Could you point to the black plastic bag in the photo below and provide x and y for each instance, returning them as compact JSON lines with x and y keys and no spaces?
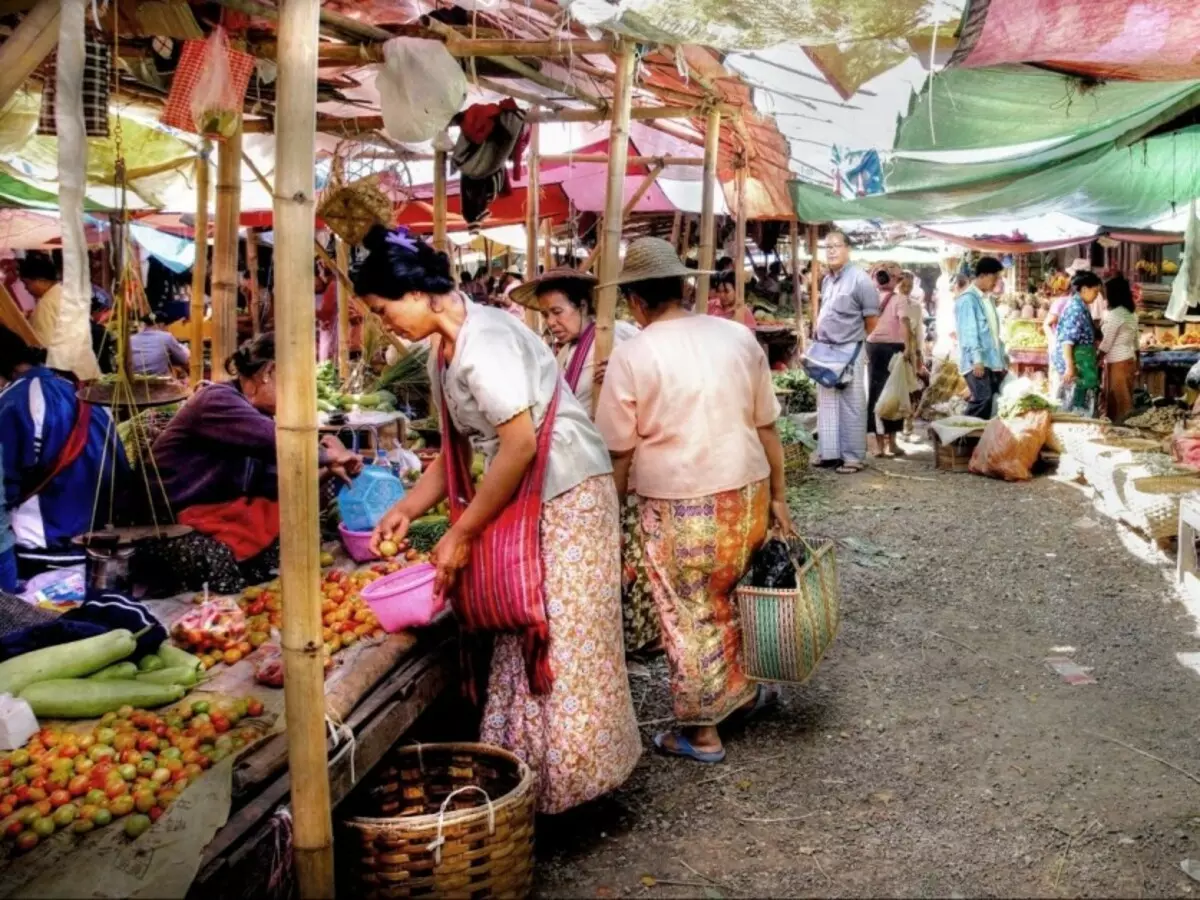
{"x":772,"y":566}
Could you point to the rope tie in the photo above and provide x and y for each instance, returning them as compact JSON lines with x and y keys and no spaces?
{"x":439,"y":841}
{"x":340,"y":732}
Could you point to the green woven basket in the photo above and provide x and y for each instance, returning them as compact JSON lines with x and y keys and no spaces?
{"x":786,"y":632}
{"x":795,"y":461}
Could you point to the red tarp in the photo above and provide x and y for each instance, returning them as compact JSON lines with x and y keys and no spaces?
{"x":1136,"y":40}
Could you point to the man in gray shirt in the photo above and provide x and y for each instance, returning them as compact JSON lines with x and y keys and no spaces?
{"x":154,"y":349}
{"x":849,"y":307}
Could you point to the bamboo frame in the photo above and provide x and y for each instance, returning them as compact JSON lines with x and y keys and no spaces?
{"x":547,"y":245}
{"x":533,"y":218}
{"x":610,"y":246}
{"x":199,"y":272}
{"x":626,"y":212}
{"x":252,"y":269}
{"x":676,"y":223}
{"x":712,"y":146}
{"x":637,"y":113}
{"x":225,"y":250}
{"x":814,"y":276}
{"x":34,"y":38}
{"x":439,"y":202}
{"x":739,"y":251}
{"x":330,"y":55}
{"x":296,"y":437}
{"x":797,"y":278}
{"x":344,"y":293}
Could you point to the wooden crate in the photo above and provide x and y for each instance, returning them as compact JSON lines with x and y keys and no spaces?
{"x":955,"y":456}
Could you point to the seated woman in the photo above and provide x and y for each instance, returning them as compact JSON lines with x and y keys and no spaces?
{"x":216,"y":461}
{"x":557,"y":693}
{"x":565,"y":298}
{"x":724,"y":302}
{"x":709,"y":478}
{"x":155,"y":350}
{"x":59,"y":455}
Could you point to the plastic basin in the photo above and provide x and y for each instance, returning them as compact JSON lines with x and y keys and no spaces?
{"x":357,"y":543}
{"x":404,"y":599}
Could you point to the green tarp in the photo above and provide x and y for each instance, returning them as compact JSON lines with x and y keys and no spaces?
{"x":1121,"y":186}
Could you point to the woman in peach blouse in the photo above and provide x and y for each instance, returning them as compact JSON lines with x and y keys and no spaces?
{"x":690,"y":399}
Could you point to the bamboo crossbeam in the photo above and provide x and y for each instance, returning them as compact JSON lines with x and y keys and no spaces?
{"x":199,"y":272}
{"x":570,"y":158}
{"x":296,"y":438}
{"x":610,"y":241}
{"x":330,"y":55}
{"x":225,"y":251}
{"x":637,"y":113}
{"x":712,"y":145}
{"x":28,"y":46}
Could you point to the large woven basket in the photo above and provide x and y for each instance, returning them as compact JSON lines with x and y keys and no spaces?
{"x":786,"y":632}
{"x":1154,"y":513}
{"x":795,"y":461}
{"x":442,"y":820}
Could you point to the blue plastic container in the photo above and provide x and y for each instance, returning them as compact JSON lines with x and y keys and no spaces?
{"x":374,"y":491}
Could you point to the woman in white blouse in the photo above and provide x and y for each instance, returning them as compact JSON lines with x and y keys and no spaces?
{"x":574,"y":725}
{"x":1120,"y":347}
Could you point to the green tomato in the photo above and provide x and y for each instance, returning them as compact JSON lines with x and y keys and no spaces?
{"x":43,"y":826}
{"x":65,"y":815}
{"x":136,"y":825}
{"x":102,"y":817}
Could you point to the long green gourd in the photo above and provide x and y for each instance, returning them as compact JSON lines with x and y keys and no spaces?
{"x":83,"y":698}
{"x":72,"y":660}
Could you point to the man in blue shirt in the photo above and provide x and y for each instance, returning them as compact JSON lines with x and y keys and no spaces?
{"x":981,"y":358}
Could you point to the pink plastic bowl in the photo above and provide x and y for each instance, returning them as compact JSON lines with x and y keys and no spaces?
{"x":403,"y":599}
{"x":357,"y":544}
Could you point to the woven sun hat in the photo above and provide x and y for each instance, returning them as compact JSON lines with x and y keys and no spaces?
{"x":649,"y":258}
{"x":526,"y":294}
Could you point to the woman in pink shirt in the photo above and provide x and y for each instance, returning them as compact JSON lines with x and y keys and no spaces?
{"x":725,"y":304}
{"x":689,"y":400}
{"x":890,"y":338}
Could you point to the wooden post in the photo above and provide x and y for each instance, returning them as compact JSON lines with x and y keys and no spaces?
{"x":676,"y":222}
{"x":439,"y":201}
{"x":814,"y":276}
{"x":35,"y":36}
{"x":199,"y":271}
{"x":548,"y":244}
{"x":712,"y":143}
{"x":296,"y":440}
{"x":225,"y":252}
{"x":252,"y":268}
{"x":794,"y":241}
{"x":533,"y":221}
{"x":343,"y":300}
{"x":610,"y":247}
{"x":739,"y":253}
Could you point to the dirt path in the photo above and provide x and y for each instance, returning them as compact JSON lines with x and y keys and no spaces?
{"x":934,"y":754}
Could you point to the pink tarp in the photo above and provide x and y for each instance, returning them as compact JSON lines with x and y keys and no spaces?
{"x":1137,"y":40}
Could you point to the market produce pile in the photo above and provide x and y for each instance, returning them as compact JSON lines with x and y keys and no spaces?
{"x":1160,"y":419}
{"x":798,"y":392}
{"x":1024,"y":334}
{"x":330,"y":397}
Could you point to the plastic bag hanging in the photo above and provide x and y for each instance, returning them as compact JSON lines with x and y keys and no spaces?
{"x":1185,"y":291}
{"x":211,"y":112}
{"x":421,"y":87}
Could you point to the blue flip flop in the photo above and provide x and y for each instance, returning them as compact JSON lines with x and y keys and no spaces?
{"x":766,"y":699}
{"x":683,"y":747}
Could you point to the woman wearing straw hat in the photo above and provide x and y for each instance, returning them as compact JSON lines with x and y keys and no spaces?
{"x":690,"y":402}
{"x":537,"y":544}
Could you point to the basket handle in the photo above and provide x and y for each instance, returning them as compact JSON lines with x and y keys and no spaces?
{"x":439,"y":841}
{"x":791,"y":543}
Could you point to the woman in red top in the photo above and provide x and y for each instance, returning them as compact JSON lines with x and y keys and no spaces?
{"x":725,"y":304}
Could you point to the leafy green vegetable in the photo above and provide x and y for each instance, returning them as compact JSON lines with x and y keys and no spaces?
{"x":798,"y":390}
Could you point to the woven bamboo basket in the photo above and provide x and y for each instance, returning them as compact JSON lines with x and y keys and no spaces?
{"x":442,"y":820}
{"x":1156,"y":514}
{"x":786,"y":632}
{"x":795,"y":461}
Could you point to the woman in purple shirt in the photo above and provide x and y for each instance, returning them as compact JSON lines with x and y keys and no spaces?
{"x":217,"y":457}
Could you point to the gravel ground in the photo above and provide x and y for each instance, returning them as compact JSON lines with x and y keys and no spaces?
{"x":934,"y":754}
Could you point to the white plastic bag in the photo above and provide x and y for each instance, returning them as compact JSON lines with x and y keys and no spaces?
{"x":1185,"y":291}
{"x":895,"y":403}
{"x":214,"y":111}
{"x":421,"y":87}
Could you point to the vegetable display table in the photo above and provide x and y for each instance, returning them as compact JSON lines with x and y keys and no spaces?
{"x":1025,"y":361}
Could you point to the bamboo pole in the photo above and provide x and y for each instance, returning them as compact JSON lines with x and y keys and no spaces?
{"x":25,"y":49}
{"x":199,"y":272}
{"x":626,"y":212}
{"x":676,"y":223}
{"x":614,"y":217}
{"x":225,"y":250}
{"x":252,"y":268}
{"x":571,"y":158}
{"x":296,"y":438}
{"x":330,"y":54}
{"x":794,"y":240}
{"x":439,"y":201}
{"x":712,"y":144}
{"x":739,"y":269}
{"x":638,"y":113}
{"x":344,"y":294}
{"x":547,"y":245}
{"x":814,"y":276}
{"x":533,"y":220}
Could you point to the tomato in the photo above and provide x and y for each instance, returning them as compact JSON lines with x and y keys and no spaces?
{"x":116,"y":789}
{"x":12,"y":829}
{"x":69,"y":751}
{"x":43,"y":826}
{"x":101,"y":751}
{"x":36,"y":793}
{"x":95,"y":797}
{"x":137,"y":825}
{"x":82,"y":826}
{"x":105,"y":735}
{"x":6,"y":810}
{"x":125,"y":741}
{"x":147,"y":742}
{"x":19,"y":758}
{"x":78,"y":785}
{"x":65,"y":815}
{"x":102,"y":817}
{"x":60,"y":798}
{"x":26,"y":841}
{"x":144,"y":801}
{"x":146,"y":767}
{"x":121,"y":806}
{"x":43,"y":807}
{"x":254,"y":707}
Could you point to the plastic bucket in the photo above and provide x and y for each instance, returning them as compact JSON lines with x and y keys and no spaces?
{"x":404,"y":599}
{"x":357,"y":543}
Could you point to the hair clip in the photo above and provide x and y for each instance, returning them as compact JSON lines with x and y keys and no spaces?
{"x":400,"y":238}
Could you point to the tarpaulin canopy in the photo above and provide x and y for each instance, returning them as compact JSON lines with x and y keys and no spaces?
{"x":1130,"y":186}
{"x":1149,"y":41}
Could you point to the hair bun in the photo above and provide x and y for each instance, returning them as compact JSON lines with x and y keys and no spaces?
{"x":376,"y":239}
